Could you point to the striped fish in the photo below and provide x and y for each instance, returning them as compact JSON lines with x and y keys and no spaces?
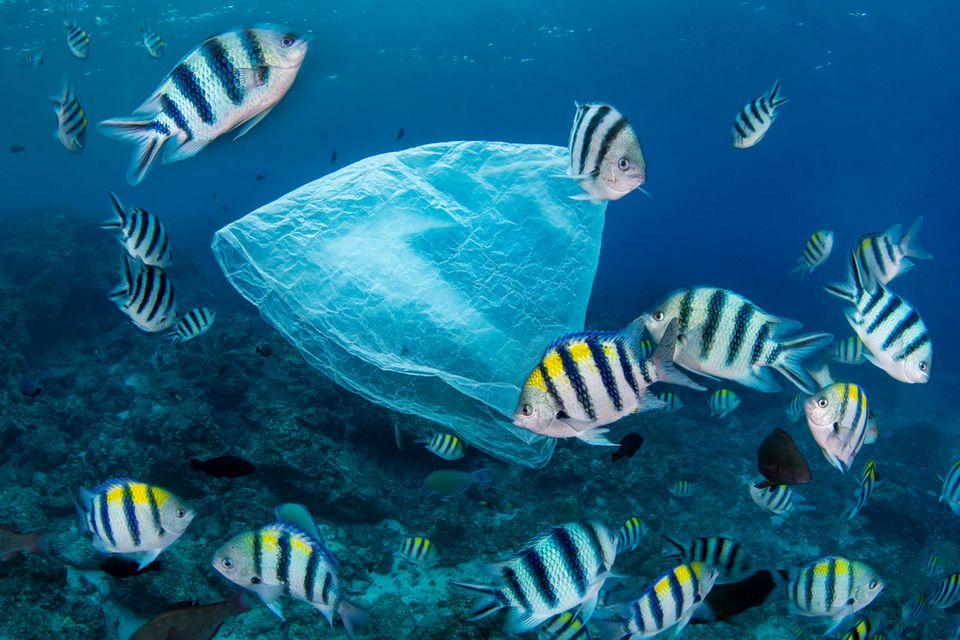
{"x":590,"y":379}
{"x":605,"y":155}
{"x":682,"y":489}
{"x":779,"y":499}
{"x":446,"y":446}
{"x":154,"y":45}
{"x":932,"y":566}
{"x":645,"y":349}
{"x":418,"y":550}
{"x":669,"y":602}
{"x":891,"y":329}
{"x":911,"y":611}
{"x":564,"y":626}
{"x":287,"y":557}
{"x":71,"y":119}
{"x":837,"y":417}
{"x":562,"y":568}
{"x":884,"y":255}
{"x":131,"y":518}
{"x":672,"y":403}
{"x":948,"y":592}
{"x":630,"y":534}
{"x":794,"y":410}
{"x":815,"y":253}
{"x":754,"y":120}
{"x":141,"y":233}
{"x":229,"y":81}
{"x":950,"y":493}
{"x":864,"y":629}
{"x":868,"y":480}
{"x":31,"y":59}
{"x":196,"y":322}
{"x":77,"y":40}
{"x":833,"y":587}
{"x":732,"y":562}
{"x":722,"y":402}
{"x":146,"y":296}
{"x":849,"y":351}
{"x":724,"y":335}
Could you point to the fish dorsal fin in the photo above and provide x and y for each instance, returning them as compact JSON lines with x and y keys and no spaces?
{"x":298,"y":515}
{"x":582,"y":335}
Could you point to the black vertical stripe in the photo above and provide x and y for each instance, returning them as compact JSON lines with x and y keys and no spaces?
{"x":532,"y":562}
{"x":756,"y":112}
{"x":551,"y":388}
{"x":576,"y":381}
{"x":155,"y":511}
{"x":105,"y":517}
{"x":130,"y":513}
{"x":608,"y":139}
{"x":676,"y":592}
{"x":185,"y":80}
{"x":626,"y":366}
{"x":226,"y":74}
{"x":893,"y":303}
{"x":740,"y":326}
{"x":918,"y":342}
{"x":156,"y":233}
{"x":310,"y":578}
{"x":745,"y":119}
{"x":510,"y":578}
{"x":283,"y":560}
{"x":875,"y":299}
{"x":740,"y":131}
{"x":715,"y":308}
{"x":759,"y":343}
{"x":571,"y":559}
{"x":592,"y":126}
{"x":148,"y":296}
{"x":170,"y":108}
{"x":656,"y":608}
{"x":327,"y":587}
{"x":686,"y":307}
{"x":906,"y":323}
{"x":258,"y":553}
{"x":142,"y":223}
{"x":606,"y":373}
{"x":878,"y":256}
{"x":889,"y":247}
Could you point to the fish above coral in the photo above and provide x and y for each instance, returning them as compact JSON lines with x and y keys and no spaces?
{"x":780,"y":461}
{"x":192,"y":621}
{"x":13,"y":543}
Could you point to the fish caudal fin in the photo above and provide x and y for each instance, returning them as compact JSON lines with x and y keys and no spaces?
{"x":38,"y":542}
{"x":142,"y":132}
{"x":775,"y":98}
{"x":120,"y":292}
{"x":482,"y":476}
{"x":486,"y":605}
{"x":792,"y":354}
{"x":351,"y":616}
{"x":663,"y":359}
{"x":116,"y":223}
{"x":908,"y":244}
{"x":853,"y":287}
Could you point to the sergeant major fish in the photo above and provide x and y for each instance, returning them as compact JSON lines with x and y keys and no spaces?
{"x":605,"y":155}
{"x":849,"y":351}
{"x":77,"y":40}
{"x":780,"y":500}
{"x":834,"y":588}
{"x":590,"y":379}
{"x":815,"y":253}
{"x":671,"y":400}
{"x":669,"y":602}
{"x":141,"y":233}
{"x":884,"y":255}
{"x":630,"y":534}
{"x":154,"y":45}
{"x":71,"y":119}
{"x":722,"y":334}
{"x":194,"y":323}
{"x":722,"y":403}
{"x":891,"y":329}
{"x":563,"y":626}
{"x":418,"y":550}
{"x":444,"y":445}
{"x":146,"y":296}
{"x":133,"y":519}
{"x":562,"y":568}
{"x":948,"y":592}
{"x":732,"y":562}
{"x":868,"y":480}
{"x":837,"y":417}
{"x":230,"y":80}
{"x":753,"y":121}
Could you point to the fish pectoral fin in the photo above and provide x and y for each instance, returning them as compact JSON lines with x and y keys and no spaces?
{"x":596,"y":437}
{"x":252,"y":122}
{"x":585,"y":196}
{"x":254,"y":77}
{"x":146,"y":558}
{"x":270,"y":596}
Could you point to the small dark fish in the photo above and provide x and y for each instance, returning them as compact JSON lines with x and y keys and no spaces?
{"x":261,"y":177}
{"x":224,"y":466}
{"x":265,"y":350}
{"x":215,"y":195}
{"x":727,"y":600}
{"x":192,"y":622}
{"x":122,"y":568}
{"x":629,"y":445}
{"x":17,"y":148}
{"x":29,"y":387}
{"x":333,"y":156}
{"x":780,"y":461}
{"x":174,"y":396}
{"x":12,"y":543}
{"x":401,"y":133}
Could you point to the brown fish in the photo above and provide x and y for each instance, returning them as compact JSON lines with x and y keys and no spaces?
{"x":780,"y":462}
{"x":12,"y":543}
{"x":192,"y":622}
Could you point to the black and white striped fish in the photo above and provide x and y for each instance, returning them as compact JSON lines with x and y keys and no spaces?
{"x":132,"y":518}
{"x":779,"y":499}
{"x":564,"y":626}
{"x":196,"y":322}
{"x":141,"y":234}
{"x":722,"y":403}
{"x":948,"y":592}
{"x":754,"y":120}
{"x":630,"y":534}
{"x":31,"y":59}
{"x":417,"y":549}
{"x":146,"y":296}
{"x":669,"y":602}
{"x":837,"y":418}
{"x":884,"y":255}
{"x":562,"y":568}
{"x":445,"y":445}
{"x":229,"y":81}
{"x":77,"y":40}
{"x":590,"y":379}
{"x":732,"y":562}
{"x":849,"y":351}
{"x":794,"y":410}
{"x":671,"y":400}
{"x":683,"y":488}
{"x":724,"y":335}
{"x":895,"y":336}
{"x":71,"y":119}
{"x":288,"y":557}
{"x":153,"y":43}
{"x":834,"y":588}
{"x":605,"y":155}
{"x":868,"y":480}
{"x":815,"y":253}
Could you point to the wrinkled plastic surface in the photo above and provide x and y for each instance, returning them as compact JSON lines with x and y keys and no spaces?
{"x":427,"y":280}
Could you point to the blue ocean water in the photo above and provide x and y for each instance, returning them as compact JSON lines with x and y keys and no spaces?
{"x":867,"y":140}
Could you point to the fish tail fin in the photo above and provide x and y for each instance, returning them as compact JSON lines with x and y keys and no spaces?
{"x":118,"y":222}
{"x":173,"y":337}
{"x":482,"y":476}
{"x":794,"y":352}
{"x":64,"y":93}
{"x":801,"y":268}
{"x":853,"y":287}
{"x":38,"y":542}
{"x":775,"y":98}
{"x":83,"y":501}
{"x":486,"y":605}
{"x":676,"y":552}
{"x":351,"y":616}
{"x":120,"y":291}
{"x":662,"y":355}
{"x":909,"y":242}
{"x":141,"y":132}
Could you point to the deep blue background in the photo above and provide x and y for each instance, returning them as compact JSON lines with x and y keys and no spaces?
{"x":868,"y":138}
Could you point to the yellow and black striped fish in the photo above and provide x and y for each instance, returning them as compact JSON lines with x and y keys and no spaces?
{"x":71,"y":119}
{"x":948,"y":592}
{"x":154,"y":45}
{"x":837,"y":417}
{"x":815,"y":253}
{"x":670,"y":601}
{"x":885,"y":254}
{"x":133,"y":518}
{"x":862,"y":630}
{"x":849,"y":351}
{"x":563,"y":626}
{"x":418,"y":550}
{"x":444,"y":445}
{"x":833,"y":587}
{"x":77,"y":40}
{"x":671,"y":400}
{"x":722,"y":402}
{"x":630,"y":534}
{"x":682,"y":488}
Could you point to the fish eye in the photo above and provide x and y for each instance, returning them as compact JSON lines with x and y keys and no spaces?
{"x":922,"y":366}
{"x":226,"y":563}
{"x":288,"y":40}
{"x":822,"y":402}
{"x":181,"y":513}
{"x":658,"y":316}
{"x":624,"y":164}
{"x":526,"y":410}
{"x":255,"y":580}
{"x":873,"y":584}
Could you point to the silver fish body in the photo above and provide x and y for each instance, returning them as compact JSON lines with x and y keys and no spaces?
{"x":780,"y":499}
{"x":146,"y":296}
{"x":754,"y":120}
{"x":886,"y":255}
{"x":669,"y":602}
{"x":732,"y":562}
{"x":605,"y":155}
{"x":77,"y":40}
{"x":141,"y":233}
{"x":194,"y":323}
{"x":71,"y":119}
{"x":837,"y":417}
{"x":833,"y":587}
{"x":231,"y":80}
{"x":815,"y":253}
{"x":950,"y":493}
{"x":152,"y":42}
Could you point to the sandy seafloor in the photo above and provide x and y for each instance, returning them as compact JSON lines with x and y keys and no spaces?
{"x":109,"y":410}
